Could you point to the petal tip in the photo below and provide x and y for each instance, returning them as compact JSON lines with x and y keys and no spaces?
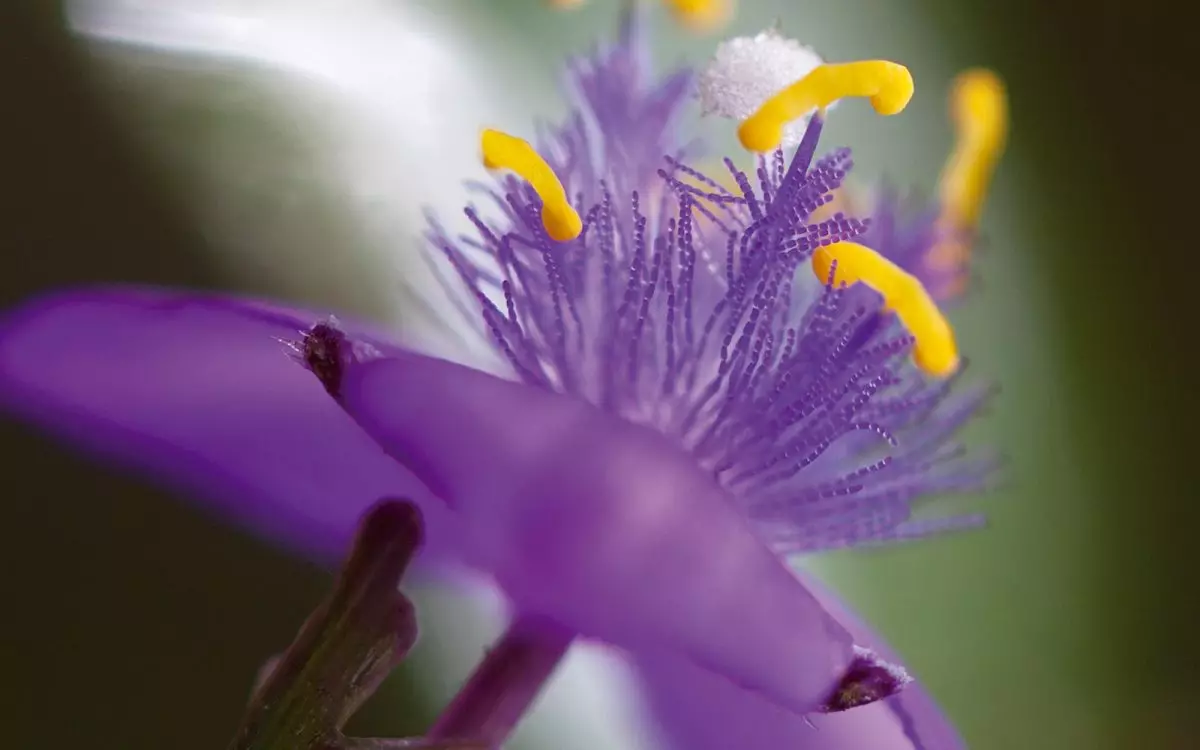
{"x":869,"y":678}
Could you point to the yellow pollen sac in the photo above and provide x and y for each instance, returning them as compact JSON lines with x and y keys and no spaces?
{"x":503,"y":151}
{"x":701,"y":15}
{"x":935,"y":350}
{"x":979,"y":110}
{"x":889,"y":86}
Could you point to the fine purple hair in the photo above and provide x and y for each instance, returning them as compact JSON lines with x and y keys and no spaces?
{"x":686,"y":307}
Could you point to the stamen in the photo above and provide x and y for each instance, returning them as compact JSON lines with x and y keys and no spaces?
{"x":979,"y":110}
{"x":701,"y":15}
{"x":503,"y":151}
{"x":889,"y":86}
{"x":935,"y":350}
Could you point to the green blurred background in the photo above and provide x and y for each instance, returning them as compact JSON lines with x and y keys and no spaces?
{"x":133,"y":621}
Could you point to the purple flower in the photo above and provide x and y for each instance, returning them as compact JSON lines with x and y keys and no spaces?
{"x":688,"y":407}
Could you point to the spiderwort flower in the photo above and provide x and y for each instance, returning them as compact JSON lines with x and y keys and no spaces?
{"x":688,"y":406}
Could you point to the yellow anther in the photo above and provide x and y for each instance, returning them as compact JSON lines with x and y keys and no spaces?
{"x":503,"y":151}
{"x":889,"y":86}
{"x":701,"y":15}
{"x":979,"y":110}
{"x":935,"y":350}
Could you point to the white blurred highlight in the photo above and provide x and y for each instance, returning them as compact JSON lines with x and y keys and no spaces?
{"x":384,"y":57}
{"x":395,"y":101}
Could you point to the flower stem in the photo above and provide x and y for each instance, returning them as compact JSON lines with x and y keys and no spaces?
{"x":505,"y":684}
{"x":346,"y":647}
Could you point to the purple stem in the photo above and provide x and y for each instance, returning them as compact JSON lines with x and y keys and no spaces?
{"x":505,"y":684}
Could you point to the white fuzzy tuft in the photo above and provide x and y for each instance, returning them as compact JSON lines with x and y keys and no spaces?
{"x":746,"y":71}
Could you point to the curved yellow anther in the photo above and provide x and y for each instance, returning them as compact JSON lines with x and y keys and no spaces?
{"x":935,"y":350}
{"x":889,"y":86}
{"x":503,"y":151}
{"x":701,"y":15}
{"x":979,"y":110}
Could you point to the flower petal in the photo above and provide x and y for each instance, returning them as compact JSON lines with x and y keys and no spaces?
{"x":604,"y":525}
{"x":200,"y":392}
{"x":697,"y":712}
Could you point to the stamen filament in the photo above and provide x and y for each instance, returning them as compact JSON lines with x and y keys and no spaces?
{"x":503,"y":151}
{"x":889,"y":86}
{"x":935,"y":350}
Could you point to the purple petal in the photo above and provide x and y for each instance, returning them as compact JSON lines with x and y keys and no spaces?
{"x":606,"y":526}
{"x":200,"y":392}
{"x":697,"y":712}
